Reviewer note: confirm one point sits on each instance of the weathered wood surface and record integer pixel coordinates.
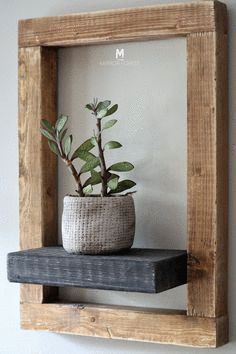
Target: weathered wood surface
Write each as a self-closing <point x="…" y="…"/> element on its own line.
<point x="38" y="172"/>
<point x="140" y="270"/>
<point x="207" y="174"/>
<point x="130" y="323"/>
<point x="142" y="23"/>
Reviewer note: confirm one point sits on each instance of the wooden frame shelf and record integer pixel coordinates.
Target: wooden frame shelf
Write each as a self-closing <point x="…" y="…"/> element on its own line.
<point x="140" y="270"/>
<point x="204" y="25"/>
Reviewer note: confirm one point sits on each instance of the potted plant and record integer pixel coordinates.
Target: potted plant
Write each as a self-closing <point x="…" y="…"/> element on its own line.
<point x="93" y="224"/>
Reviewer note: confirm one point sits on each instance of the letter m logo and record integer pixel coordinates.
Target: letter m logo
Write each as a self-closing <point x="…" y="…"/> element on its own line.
<point x="120" y="54"/>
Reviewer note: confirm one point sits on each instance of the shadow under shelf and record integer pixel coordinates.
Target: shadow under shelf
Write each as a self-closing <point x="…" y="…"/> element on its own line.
<point x="135" y="270"/>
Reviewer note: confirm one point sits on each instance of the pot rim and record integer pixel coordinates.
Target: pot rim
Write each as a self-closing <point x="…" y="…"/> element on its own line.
<point x="97" y="196"/>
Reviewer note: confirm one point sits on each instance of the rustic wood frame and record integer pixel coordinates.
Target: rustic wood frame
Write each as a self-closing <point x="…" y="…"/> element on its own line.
<point x="204" y="24"/>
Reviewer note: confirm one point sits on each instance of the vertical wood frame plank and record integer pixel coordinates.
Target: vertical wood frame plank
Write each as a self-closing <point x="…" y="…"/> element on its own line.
<point x="38" y="172"/>
<point x="207" y="174"/>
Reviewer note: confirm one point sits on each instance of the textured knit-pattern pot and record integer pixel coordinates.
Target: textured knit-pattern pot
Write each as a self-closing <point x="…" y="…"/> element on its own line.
<point x="93" y="225"/>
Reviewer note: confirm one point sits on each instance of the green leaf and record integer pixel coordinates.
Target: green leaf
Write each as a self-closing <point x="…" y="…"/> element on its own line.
<point x="112" y="110"/>
<point x="112" y="175"/>
<point x="85" y="155"/>
<point x="103" y="105"/>
<point x="113" y="182"/>
<point x="88" y="189"/>
<point x="62" y="134"/>
<point x="90" y="165"/>
<point x="47" y="134"/>
<point x="47" y="125"/>
<point x="61" y="122"/>
<point x="109" y="124"/>
<point x="123" y="186"/>
<point x="112" y="145"/>
<point x="122" y="167"/>
<point x="53" y="147"/>
<point x="102" y="113"/>
<point x="67" y="145"/>
<point x="85" y="147"/>
<point x="93" y="141"/>
<point x="89" y="106"/>
<point x="95" y="102"/>
<point x="94" y="179"/>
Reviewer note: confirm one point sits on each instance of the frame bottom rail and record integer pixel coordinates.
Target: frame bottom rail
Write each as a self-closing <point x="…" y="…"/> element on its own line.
<point x="129" y="323"/>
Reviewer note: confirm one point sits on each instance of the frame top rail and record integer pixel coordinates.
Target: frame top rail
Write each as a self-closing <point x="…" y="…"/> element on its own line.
<point x="122" y="25"/>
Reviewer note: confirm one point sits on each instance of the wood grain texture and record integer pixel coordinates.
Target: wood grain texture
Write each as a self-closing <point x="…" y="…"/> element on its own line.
<point x="130" y="323"/>
<point x="149" y="22"/>
<point x="207" y="174"/>
<point x="38" y="178"/>
<point x="139" y="270"/>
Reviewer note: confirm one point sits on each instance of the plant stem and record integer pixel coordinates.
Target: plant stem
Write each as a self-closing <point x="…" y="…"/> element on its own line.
<point x="75" y="175"/>
<point x="102" y="160"/>
<point x="71" y="168"/>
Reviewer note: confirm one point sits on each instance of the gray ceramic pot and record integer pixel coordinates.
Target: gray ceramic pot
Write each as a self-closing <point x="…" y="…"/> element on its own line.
<point x="98" y="225"/>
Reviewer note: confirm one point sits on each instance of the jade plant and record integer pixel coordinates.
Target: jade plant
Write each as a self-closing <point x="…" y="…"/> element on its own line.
<point x="94" y="163"/>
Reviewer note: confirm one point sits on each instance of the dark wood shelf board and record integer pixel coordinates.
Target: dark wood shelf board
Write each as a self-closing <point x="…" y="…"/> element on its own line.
<point x="136" y="270"/>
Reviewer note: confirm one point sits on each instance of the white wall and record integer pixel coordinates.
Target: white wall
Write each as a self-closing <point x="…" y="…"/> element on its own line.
<point x="152" y="129"/>
<point x="80" y="75"/>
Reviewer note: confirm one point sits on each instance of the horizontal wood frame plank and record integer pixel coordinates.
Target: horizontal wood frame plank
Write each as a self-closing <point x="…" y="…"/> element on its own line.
<point x="139" y="324"/>
<point x="131" y="24"/>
